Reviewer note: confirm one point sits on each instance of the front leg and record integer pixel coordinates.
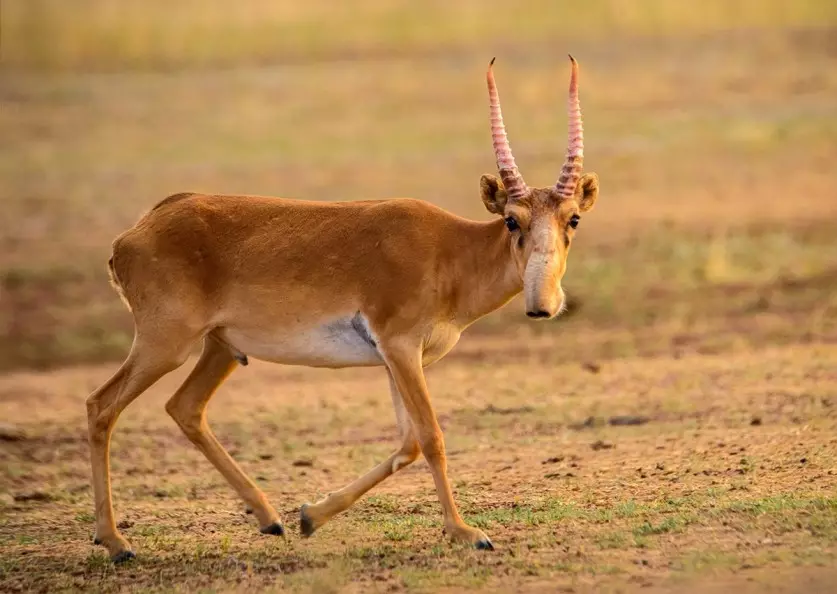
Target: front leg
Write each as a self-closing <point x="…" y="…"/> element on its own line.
<point x="404" y="364"/>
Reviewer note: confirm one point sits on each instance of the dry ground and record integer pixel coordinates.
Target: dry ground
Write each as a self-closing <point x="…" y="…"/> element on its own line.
<point x="703" y="286"/>
<point x="716" y="154"/>
<point x="726" y="477"/>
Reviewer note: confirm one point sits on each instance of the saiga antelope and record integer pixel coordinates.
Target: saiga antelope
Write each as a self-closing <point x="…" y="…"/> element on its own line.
<point x="388" y="283"/>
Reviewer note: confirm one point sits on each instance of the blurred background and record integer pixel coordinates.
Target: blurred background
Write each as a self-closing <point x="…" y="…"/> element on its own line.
<point x="712" y="125"/>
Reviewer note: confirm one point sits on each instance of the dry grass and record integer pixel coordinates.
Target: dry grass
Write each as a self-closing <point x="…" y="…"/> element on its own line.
<point x="693" y="161"/>
<point x="703" y="288"/>
<point x="104" y="34"/>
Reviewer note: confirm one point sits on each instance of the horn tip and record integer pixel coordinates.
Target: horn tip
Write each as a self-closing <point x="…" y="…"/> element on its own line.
<point x="572" y="59"/>
<point x="491" y="63"/>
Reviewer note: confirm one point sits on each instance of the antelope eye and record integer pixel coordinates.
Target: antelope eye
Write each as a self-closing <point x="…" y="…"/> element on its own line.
<point x="574" y="221"/>
<point x="511" y="223"/>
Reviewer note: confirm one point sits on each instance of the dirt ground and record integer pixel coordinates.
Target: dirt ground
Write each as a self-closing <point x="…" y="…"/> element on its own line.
<point x="675" y="431"/>
<point x="634" y="474"/>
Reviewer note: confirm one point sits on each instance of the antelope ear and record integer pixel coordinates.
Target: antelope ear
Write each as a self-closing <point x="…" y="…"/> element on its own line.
<point x="493" y="194"/>
<point x="587" y="191"/>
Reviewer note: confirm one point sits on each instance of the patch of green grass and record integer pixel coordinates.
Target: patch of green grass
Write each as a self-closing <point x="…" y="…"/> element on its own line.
<point x="649" y="528"/>
<point x="782" y="503"/>
<point x="822" y="524"/>
<point x="399" y="529"/>
<point x="627" y="509"/>
<point x="85" y="517"/>
<point x="568" y="567"/>
<point x="605" y="570"/>
<point x="549" y="511"/>
<point x="706" y="560"/>
<point x="671" y="258"/>
<point x="385" y="504"/>
<point x="368" y="553"/>
<point x="99" y="562"/>
<point x="15" y="470"/>
<point x="421" y="579"/>
<point x="612" y="540"/>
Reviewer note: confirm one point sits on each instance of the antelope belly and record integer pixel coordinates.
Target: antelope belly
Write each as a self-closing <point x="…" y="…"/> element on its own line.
<point x="344" y="342"/>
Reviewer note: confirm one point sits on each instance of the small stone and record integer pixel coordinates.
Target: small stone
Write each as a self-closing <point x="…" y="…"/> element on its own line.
<point x="755" y="421"/>
<point x="303" y="462"/>
<point x="601" y="445"/>
<point x="591" y="366"/>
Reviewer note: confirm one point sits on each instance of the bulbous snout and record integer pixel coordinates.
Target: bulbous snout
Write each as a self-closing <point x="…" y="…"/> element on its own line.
<point x="544" y="296"/>
<point x="546" y="309"/>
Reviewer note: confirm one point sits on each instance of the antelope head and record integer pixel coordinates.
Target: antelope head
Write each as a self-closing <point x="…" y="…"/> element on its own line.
<point x="541" y="222"/>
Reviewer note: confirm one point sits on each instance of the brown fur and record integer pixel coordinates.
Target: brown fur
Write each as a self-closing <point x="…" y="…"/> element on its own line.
<point x="206" y="268"/>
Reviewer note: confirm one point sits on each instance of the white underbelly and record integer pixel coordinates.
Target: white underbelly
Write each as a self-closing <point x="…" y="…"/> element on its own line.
<point x="344" y="342"/>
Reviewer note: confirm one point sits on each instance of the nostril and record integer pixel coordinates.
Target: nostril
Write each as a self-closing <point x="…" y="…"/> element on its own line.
<point x="538" y="314"/>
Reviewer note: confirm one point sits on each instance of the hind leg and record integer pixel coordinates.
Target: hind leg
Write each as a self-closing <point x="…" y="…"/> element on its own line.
<point x="188" y="408"/>
<point x="143" y="367"/>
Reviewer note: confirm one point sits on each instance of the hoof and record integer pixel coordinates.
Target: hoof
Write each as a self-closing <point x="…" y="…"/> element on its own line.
<point x="122" y="557"/>
<point x="275" y="529"/>
<point x="96" y="540"/>
<point x="306" y="526"/>
<point x="484" y="545"/>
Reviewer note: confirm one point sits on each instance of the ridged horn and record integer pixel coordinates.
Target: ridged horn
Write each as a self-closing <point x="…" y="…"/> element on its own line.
<point x="571" y="171"/>
<point x="512" y="180"/>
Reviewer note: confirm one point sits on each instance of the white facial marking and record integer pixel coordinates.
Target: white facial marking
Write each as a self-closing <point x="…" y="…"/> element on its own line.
<point x="539" y="269"/>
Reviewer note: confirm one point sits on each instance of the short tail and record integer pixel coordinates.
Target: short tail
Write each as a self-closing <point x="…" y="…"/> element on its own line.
<point x="114" y="281"/>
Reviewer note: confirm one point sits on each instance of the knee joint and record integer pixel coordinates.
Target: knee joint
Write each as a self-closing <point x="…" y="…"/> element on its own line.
<point x="98" y="422"/>
<point x="188" y="421"/>
<point x="408" y="454"/>
<point x="433" y="447"/>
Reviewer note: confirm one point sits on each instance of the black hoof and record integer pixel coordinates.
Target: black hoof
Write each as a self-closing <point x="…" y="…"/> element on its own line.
<point x="306" y="526"/>
<point x="275" y="529"/>
<point x="123" y="557"/>
<point x="96" y="540"/>
<point x="484" y="545"/>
